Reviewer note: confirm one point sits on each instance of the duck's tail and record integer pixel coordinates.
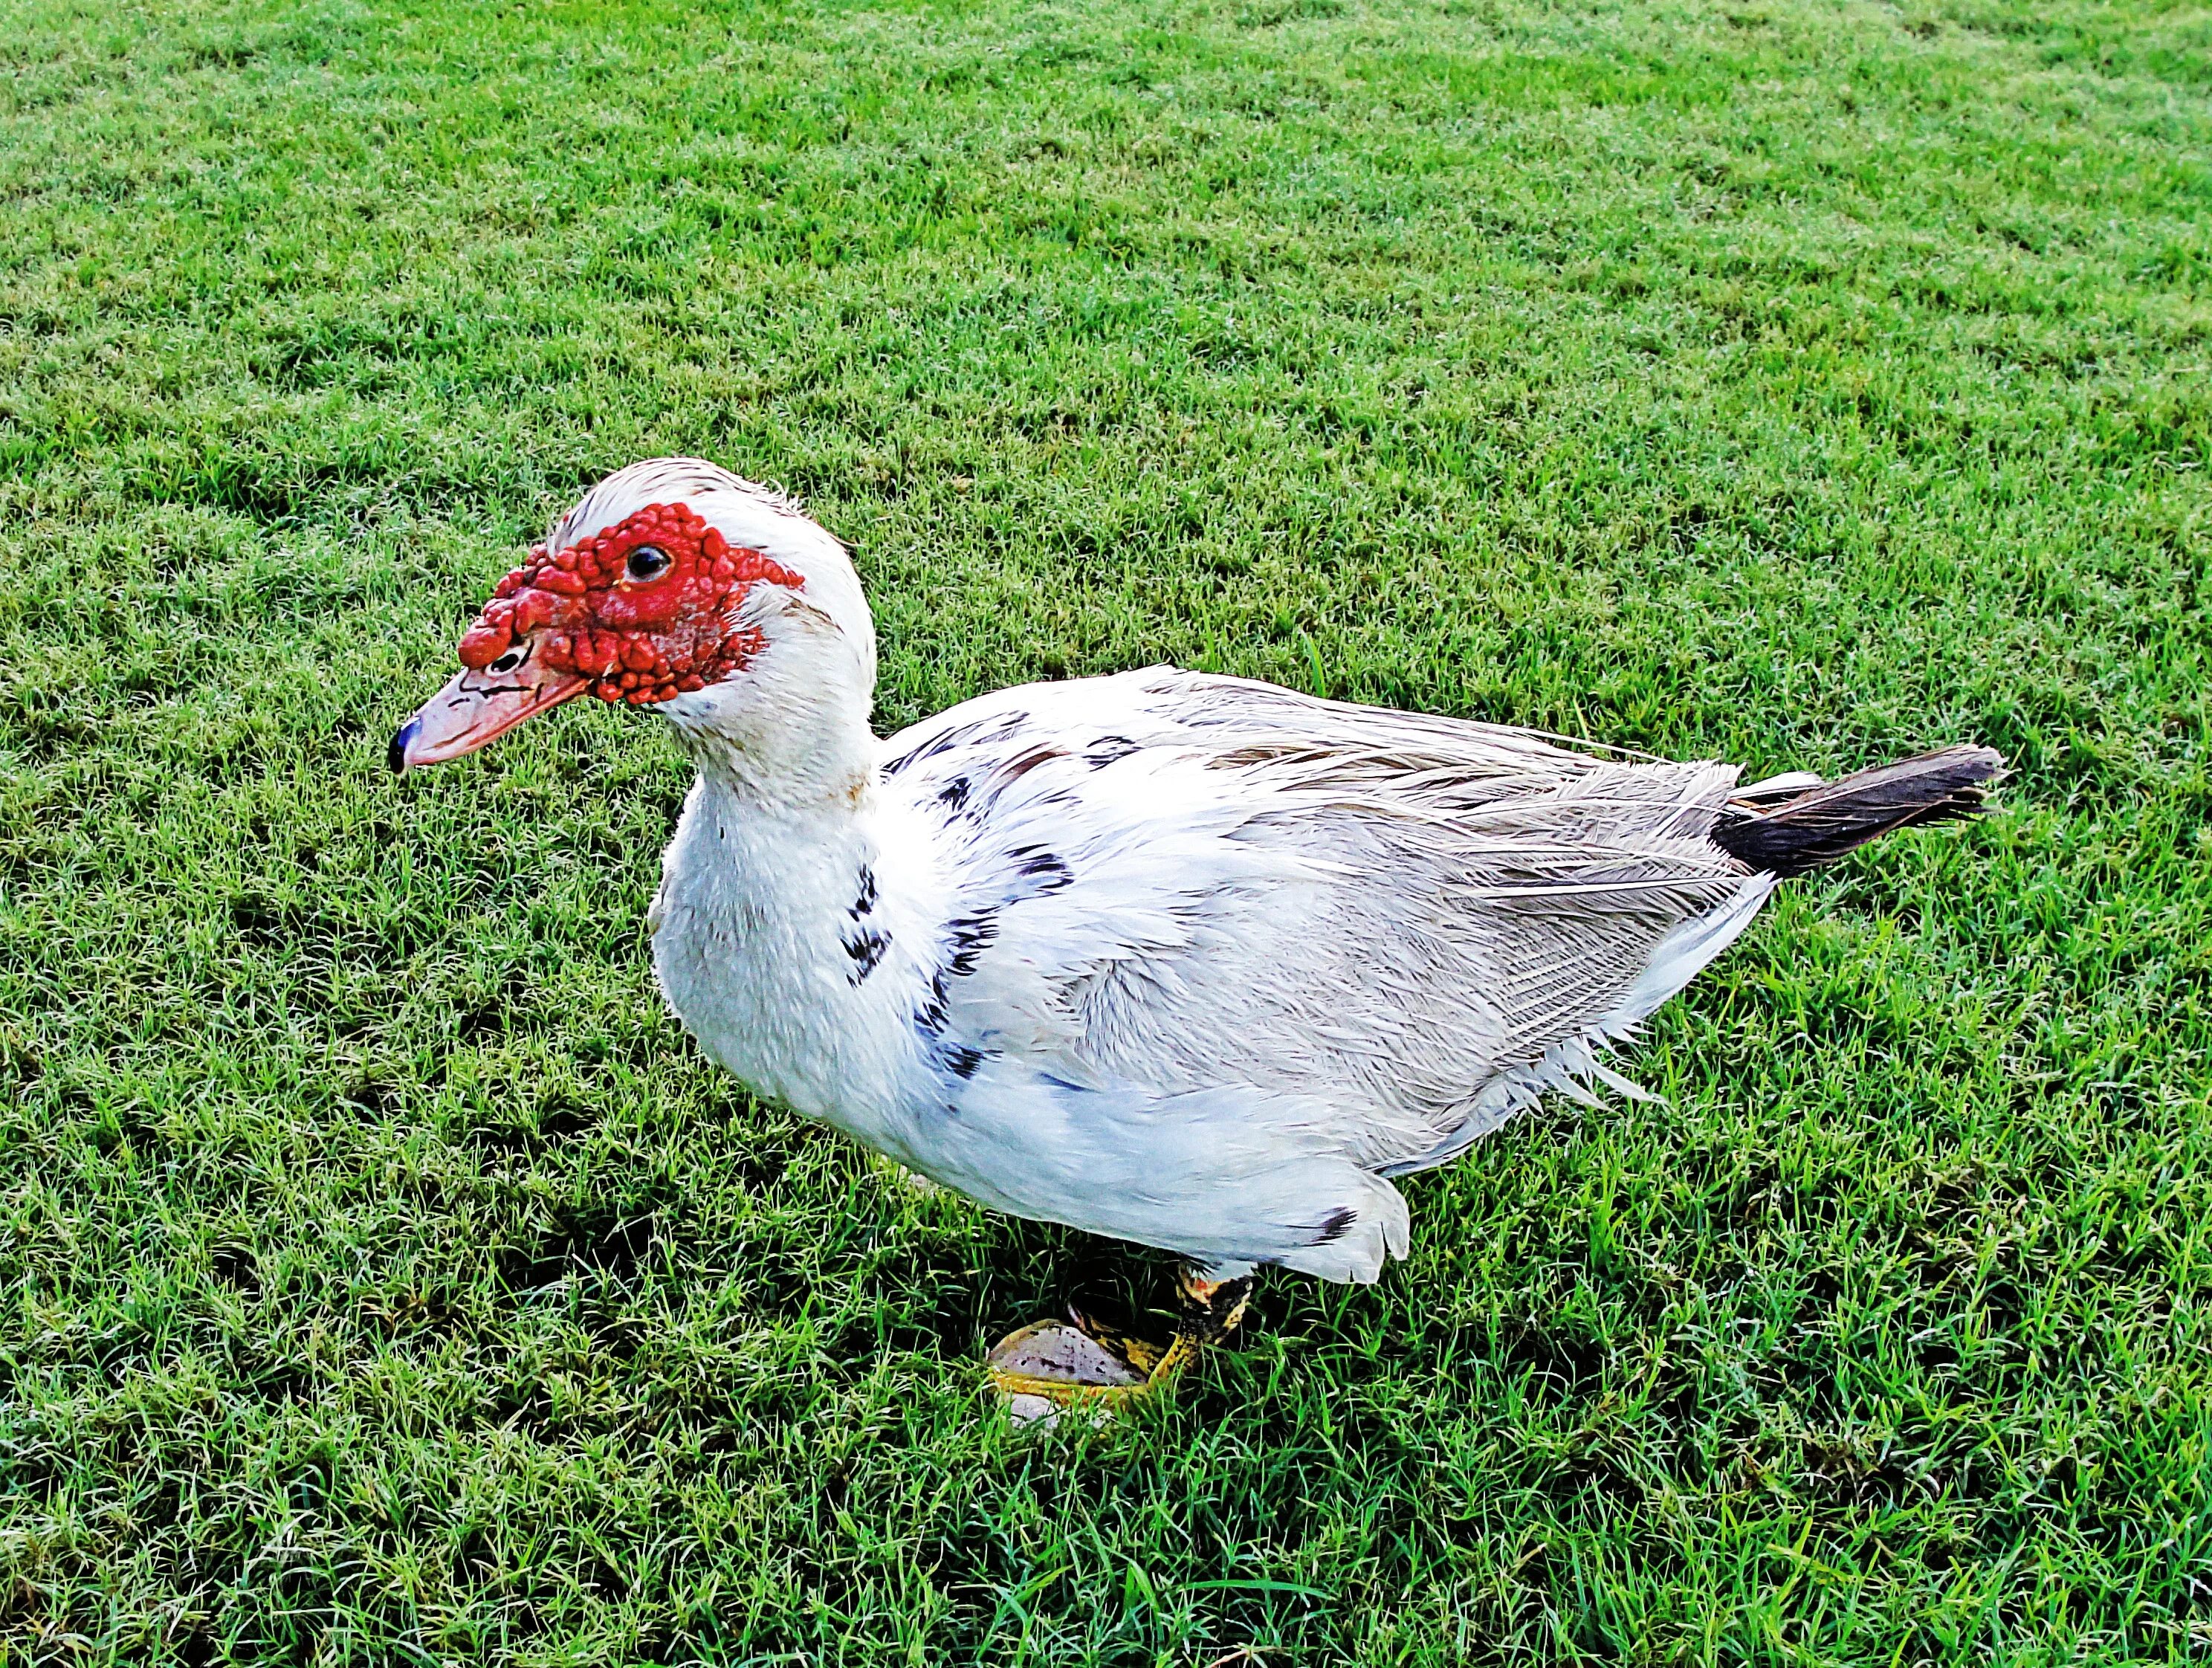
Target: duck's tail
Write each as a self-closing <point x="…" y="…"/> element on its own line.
<point x="1795" y="823"/>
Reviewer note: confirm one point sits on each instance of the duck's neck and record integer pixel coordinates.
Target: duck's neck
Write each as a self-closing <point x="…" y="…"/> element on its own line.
<point x="790" y="738"/>
<point x="793" y="916"/>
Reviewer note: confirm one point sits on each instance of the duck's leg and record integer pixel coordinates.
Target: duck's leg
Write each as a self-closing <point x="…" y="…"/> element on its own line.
<point x="1051" y="1364"/>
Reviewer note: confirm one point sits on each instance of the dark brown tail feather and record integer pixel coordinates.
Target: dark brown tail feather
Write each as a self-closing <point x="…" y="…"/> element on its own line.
<point x="1821" y="823"/>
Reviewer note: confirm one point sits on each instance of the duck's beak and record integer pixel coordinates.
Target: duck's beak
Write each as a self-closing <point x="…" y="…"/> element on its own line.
<point x="478" y="707"/>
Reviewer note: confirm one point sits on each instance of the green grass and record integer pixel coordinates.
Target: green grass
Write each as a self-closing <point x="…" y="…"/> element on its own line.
<point x="386" y="1278"/>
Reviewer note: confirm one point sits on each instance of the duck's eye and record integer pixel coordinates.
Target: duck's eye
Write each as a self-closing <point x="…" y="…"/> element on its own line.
<point x="647" y="562"/>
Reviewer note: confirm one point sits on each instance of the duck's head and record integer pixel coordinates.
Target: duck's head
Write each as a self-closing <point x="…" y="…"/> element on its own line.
<point x="674" y="585"/>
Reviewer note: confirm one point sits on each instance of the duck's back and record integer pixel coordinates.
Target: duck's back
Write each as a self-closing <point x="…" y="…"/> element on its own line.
<point x="1390" y="931"/>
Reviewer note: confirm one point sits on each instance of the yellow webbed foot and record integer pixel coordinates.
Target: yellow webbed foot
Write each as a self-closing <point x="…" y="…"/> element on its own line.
<point x="1082" y="1363"/>
<point x="1053" y="1364"/>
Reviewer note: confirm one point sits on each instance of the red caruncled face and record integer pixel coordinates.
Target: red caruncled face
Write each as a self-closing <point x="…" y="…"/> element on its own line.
<point x="640" y="609"/>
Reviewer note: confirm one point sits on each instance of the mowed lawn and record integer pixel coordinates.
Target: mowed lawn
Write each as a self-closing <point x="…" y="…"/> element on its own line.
<point x="384" y="1276"/>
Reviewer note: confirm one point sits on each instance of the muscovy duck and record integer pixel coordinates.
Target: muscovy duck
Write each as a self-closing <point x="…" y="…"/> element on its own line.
<point x="1188" y="960"/>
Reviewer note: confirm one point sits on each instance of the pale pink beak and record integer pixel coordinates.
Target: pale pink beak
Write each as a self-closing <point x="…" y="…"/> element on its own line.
<point x="478" y="707"/>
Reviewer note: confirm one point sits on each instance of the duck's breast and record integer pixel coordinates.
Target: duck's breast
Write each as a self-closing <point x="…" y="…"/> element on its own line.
<point x="773" y="940"/>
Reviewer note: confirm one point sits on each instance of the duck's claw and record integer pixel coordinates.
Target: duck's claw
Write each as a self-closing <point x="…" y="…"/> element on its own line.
<point x="1213" y="1304"/>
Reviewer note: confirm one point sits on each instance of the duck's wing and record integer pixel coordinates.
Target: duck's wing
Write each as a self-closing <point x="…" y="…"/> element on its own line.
<point x="1419" y="924"/>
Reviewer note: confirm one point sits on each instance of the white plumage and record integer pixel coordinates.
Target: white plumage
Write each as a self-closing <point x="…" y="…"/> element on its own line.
<point x="1188" y="960"/>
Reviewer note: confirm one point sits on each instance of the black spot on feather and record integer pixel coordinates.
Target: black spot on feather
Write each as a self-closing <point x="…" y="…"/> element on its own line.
<point x="1048" y="871"/>
<point x="955" y="735"/>
<point x="966" y="940"/>
<point x="929" y="1018"/>
<point x="929" y="747"/>
<point x="1108" y="750"/>
<point x="866" y="950"/>
<point x="960" y="1062"/>
<point x="866" y="900"/>
<point x="971" y="934"/>
<point x="1335" y="1225"/>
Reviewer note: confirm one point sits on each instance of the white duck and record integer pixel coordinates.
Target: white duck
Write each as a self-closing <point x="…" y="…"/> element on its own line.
<point x="1188" y="960"/>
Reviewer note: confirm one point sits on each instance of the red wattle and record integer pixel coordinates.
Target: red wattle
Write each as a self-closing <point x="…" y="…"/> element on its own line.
<point x="640" y="641"/>
<point x="483" y="645"/>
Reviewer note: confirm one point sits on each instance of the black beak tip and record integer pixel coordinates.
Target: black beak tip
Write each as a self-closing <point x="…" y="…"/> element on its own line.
<point x="396" y="757"/>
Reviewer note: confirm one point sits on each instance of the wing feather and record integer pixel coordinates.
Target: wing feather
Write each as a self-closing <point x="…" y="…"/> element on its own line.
<point x="1194" y="883"/>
